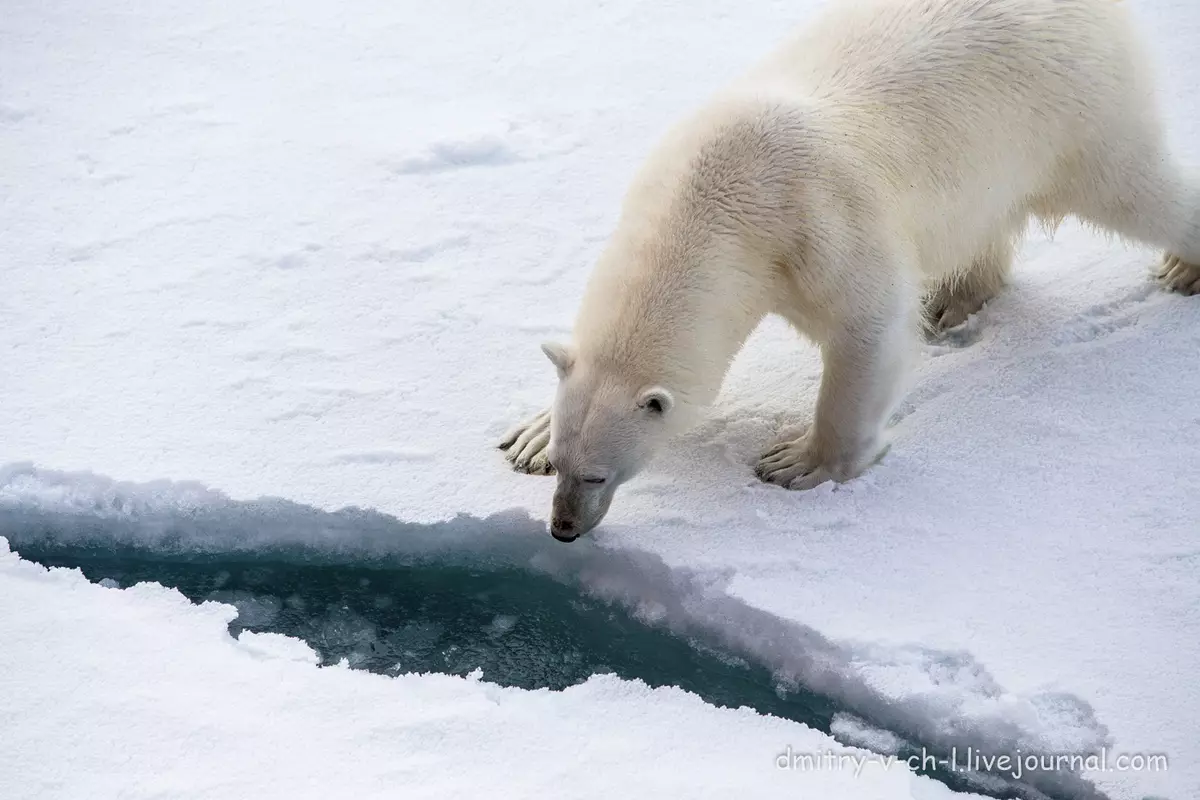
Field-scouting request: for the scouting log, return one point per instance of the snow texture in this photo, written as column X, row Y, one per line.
column 146, row 695
column 308, row 250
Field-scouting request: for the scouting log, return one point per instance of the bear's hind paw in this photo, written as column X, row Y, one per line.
column 1178, row 275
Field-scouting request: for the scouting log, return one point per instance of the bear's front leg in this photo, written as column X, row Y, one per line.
column 525, row 445
column 865, row 366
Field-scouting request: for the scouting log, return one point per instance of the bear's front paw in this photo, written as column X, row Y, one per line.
column 1179, row 275
column 800, row 464
column 525, row 445
column 794, row 464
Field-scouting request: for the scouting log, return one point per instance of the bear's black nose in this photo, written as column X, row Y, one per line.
column 563, row 530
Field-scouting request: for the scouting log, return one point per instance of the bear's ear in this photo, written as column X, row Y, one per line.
column 656, row 400
column 560, row 355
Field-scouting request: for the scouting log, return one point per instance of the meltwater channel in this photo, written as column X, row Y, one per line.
column 391, row 597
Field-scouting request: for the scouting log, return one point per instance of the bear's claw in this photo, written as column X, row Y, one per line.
column 799, row 464
column 792, row 465
column 1178, row 275
column 525, row 445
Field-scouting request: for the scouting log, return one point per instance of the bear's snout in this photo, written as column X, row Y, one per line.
column 578, row 509
column 563, row 529
column 564, row 525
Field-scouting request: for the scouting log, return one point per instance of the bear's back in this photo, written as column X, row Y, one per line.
column 956, row 110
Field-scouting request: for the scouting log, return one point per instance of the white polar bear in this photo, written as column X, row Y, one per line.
column 894, row 150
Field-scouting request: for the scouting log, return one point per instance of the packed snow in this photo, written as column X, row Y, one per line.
column 146, row 695
column 308, row 251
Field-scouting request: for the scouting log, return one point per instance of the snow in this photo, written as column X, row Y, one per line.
column 940, row 699
column 149, row 696
column 852, row 730
column 308, row 250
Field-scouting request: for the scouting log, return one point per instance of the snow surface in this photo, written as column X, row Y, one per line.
column 308, row 250
column 147, row 695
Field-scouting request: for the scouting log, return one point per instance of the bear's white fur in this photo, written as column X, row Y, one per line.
column 892, row 152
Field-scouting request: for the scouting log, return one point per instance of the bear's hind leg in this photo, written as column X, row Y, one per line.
column 964, row 293
column 1159, row 207
column 526, row 445
column 1131, row 187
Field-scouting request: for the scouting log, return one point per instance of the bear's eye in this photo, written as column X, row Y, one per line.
column 594, row 481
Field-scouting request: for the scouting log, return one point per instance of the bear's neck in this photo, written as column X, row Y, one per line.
column 673, row 310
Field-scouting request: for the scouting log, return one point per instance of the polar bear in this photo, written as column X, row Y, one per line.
column 871, row 175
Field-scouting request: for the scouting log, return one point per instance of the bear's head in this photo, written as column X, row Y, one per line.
column 605, row 427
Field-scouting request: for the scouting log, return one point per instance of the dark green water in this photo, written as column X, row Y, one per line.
column 519, row 628
column 393, row 597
